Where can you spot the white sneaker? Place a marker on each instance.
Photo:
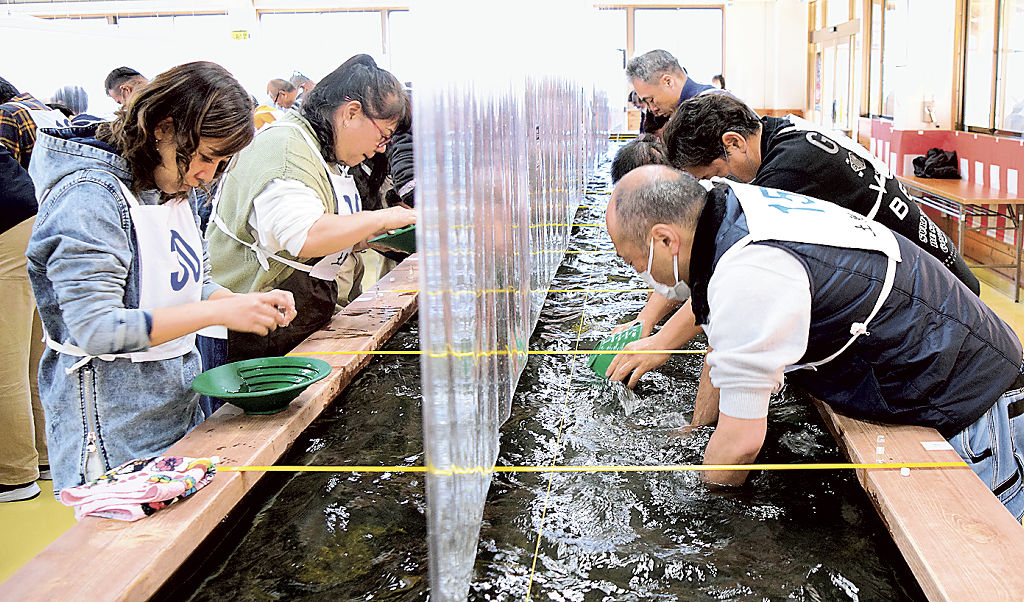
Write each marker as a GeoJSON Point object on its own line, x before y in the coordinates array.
{"type": "Point", "coordinates": [17, 493]}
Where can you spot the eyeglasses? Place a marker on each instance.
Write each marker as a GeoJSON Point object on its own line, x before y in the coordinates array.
{"type": "Point", "coordinates": [384, 138]}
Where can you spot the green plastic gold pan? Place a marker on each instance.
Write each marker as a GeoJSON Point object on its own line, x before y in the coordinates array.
{"type": "Point", "coordinates": [403, 239]}
{"type": "Point", "coordinates": [599, 363]}
{"type": "Point", "coordinates": [263, 385]}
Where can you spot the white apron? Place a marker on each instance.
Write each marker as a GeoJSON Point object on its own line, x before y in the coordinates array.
{"type": "Point", "coordinates": [170, 273]}
{"type": "Point", "coordinates": [785, 216]}
{"type": "Point", "coordinates": [347, 202]}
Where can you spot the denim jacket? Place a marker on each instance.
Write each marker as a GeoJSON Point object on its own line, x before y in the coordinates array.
{"type": "Point", "coordinates": [83, 264]}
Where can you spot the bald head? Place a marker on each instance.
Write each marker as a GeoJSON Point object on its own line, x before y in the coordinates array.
{"type": "Point", "coordinates": [649, 195]}
{"type": "Point", "coordinates": [282, 92]}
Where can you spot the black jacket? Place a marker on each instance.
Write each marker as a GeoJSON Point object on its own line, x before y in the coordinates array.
{"type": "Point", "coordinates": [936, 355]}
{"type": "Point", "coordinates": [811, 163]}
{"type": "Point", "coordinates": [17, 194]}
{"type": "Point", "coordinates": [401, 166]}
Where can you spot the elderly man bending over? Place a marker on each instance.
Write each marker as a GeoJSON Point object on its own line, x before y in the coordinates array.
{"type": "Point", "coordinates": [784, 283]}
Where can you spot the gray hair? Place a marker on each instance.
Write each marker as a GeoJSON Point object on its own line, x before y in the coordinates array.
{"type": "Point", "coordinates": [645, 150]}
{"type": "Point", "coordinates": [298, 79]}
{"type": "Point", "coordinates": [651, 65]}
{"type": "Point", "coordinates": [72, 97]}
{"type": "Point", "coordinates": [664, 196]}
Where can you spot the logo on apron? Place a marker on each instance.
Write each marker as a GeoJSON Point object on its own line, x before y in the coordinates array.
{"type": "Point", "coordinates": [175, 222]}
{"type": "Point", "coordinates": [786, 216]}
{"type": "Point", "coordinates": [353, 204]}
{"type": "Point", "coordinates": [187, 259]}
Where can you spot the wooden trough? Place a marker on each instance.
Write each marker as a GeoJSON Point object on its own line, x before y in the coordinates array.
{"type": "Point", "coordinates": [101, 559]}
{"type": "Point", "coordinates": [957, 538]}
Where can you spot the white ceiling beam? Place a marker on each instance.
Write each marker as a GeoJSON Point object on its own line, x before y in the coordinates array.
{"type": "Point", "coordinates": [94, 8]}
{"type": "Point", "coordinates": [116, 7]}
{"type": "Point", "coordinates": [314, 5]}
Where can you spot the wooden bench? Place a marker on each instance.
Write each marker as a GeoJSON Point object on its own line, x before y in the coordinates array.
{"type": "Point", "coordinates": [101, 559]}
{"type": "Point", "coordinates": [963, 199]}
{"type": "Point", "coordinates": [959, 541]}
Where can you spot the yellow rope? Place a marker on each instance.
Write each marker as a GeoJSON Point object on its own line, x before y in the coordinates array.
{"type": "Point", "coordinates": [599, 290]}
{"type": "Point", "coordinates": [495, 291]}
{"type": "Point", "coordinates": [554, 225]}
{"type": "Point", "coordinates": [517, 226]}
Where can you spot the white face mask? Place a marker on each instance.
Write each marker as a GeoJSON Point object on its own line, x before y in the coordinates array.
{"type": "Point", "coordinates": [680, 291]}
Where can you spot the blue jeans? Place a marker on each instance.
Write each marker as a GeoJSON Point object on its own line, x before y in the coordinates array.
{"type": "Point", "coordinates": [994, 448]}
{"type": "Point", "coordinates": [214, 352]}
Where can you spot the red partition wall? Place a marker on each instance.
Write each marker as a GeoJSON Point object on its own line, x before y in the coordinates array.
{"type": "Point", "coordinates": [988, 161]}
{"type": "Point", "coordinates": [908, 144]}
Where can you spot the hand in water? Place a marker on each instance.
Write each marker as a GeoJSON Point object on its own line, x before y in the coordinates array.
{"type": "Point", "coordinates": [637, 363]}
{"type": "Point", "coordinates": [683, 432]}
{"type": "Point", "coordinates": [623, 327]}
{"type": "Point", "coordinates": [259, 313]}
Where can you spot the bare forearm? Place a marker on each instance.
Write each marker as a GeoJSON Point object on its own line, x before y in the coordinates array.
{"type": "Point", "coordinates": [705, 405]}
{"type": "Point", "coordinates": [735, 441]}
{"type": "Point", "coordinates": [170, 323]}
{"type": "Point", "coordinates": [681, 328]}
{"type": "Point", "coordinates": [222, 293]}
{"type": "Point", "coordinates": [657, 308]}
{"type": "Point", "coordinates": [333, 233]}
{"type": "Point", "coordinates": [258, 313]}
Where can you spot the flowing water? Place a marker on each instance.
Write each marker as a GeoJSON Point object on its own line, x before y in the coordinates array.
{"type": "Point", "coordinates": [605, 536]}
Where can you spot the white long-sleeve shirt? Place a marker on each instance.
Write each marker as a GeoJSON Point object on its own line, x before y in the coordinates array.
{"type": "Point", "coordinates": [760, 301]}
{"type": "Point", "coordinates": [283, 213]}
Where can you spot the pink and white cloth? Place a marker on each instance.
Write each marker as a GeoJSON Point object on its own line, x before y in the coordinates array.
{"type": "Point", "coordinates": [139, 488]}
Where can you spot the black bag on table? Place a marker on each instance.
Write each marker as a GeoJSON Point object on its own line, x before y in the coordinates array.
{"type": "Point", "coordinates": [937, 164]}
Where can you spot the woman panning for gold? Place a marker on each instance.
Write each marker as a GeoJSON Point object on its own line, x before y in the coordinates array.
{"type": "Point", "coordinates": [119, 274]}
{"type": "Point", "coordinates": [287, 214]}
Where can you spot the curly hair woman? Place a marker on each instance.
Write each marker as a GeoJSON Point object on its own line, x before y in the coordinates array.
{"type": "Point", "coordinates": [119, 272]}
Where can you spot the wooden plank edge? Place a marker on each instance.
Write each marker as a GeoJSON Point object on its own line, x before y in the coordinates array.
{"type": "Point", "coordinates": [61, 570]}
{"type": "Point", "coordinates": [965, 192]}
{"type": "Point", "coordinates": [986, 540]}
